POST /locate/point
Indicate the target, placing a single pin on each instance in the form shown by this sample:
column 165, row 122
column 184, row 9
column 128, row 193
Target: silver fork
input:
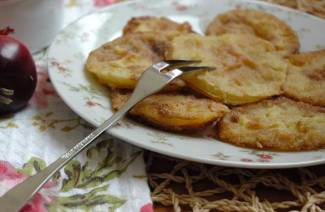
column 151, row 81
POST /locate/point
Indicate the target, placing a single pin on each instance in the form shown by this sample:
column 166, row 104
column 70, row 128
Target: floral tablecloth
column 108, row 176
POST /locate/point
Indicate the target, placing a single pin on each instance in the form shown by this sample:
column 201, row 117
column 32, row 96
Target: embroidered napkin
column 109, row 176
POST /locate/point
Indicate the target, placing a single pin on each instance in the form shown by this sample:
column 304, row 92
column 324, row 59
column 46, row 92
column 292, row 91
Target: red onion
column 17, row 75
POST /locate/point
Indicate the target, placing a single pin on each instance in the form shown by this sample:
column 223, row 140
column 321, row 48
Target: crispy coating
column 247, row 48
column 155, row 24
column 278, row 124
column 120, row 63
column 248, row 68
column 306, row 78
column 258, row 23
column 173, row 111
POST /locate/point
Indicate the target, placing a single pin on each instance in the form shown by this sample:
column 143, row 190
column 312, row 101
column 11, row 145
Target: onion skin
column 18, row 75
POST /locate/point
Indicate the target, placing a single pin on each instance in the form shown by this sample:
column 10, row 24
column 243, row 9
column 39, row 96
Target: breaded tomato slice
column 278, row 124
column 248, row 68
column 306, row 78
column 155, row 24
column 173, row 111
column 120, row 63
column 257, row 23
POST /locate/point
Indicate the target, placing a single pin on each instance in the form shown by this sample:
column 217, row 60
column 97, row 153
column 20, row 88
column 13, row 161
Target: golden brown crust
column 278, row 124
column 258, row 23
column 306, row 78
column 155, row 24
column 173, row 111
column 120, row 63
column 248, row 68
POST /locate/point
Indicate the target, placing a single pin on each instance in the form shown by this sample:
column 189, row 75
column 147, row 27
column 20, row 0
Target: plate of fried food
column 262, row 107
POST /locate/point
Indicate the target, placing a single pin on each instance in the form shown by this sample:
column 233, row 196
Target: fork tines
column 183, row 65
column 186, row 69
column 181, row 62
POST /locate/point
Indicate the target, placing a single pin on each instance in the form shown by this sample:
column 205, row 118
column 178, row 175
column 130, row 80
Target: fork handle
column 19, row 195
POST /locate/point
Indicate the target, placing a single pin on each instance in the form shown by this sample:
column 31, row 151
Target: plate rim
column 218, row 162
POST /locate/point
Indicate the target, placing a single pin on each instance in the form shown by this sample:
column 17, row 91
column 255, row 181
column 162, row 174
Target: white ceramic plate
column 85, row 96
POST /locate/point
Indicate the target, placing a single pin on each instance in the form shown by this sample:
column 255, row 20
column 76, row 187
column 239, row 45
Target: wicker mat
column 179, row 185
column 188, row 186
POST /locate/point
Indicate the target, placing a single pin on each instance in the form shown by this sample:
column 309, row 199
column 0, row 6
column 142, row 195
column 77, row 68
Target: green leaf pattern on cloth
column 99, row 179
column 87, row 201
column 93, row 176
column 101, row 166
column 45, row 121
